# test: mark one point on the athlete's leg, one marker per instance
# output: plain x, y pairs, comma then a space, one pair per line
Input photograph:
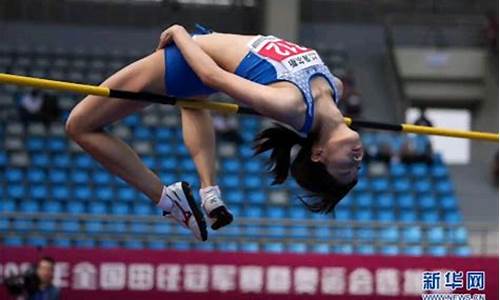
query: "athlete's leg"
199, 138
86, 121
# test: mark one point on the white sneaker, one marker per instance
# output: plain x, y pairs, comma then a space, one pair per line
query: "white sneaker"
185, 211
215, 208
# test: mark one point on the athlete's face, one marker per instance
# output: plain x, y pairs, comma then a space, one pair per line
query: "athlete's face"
341, 154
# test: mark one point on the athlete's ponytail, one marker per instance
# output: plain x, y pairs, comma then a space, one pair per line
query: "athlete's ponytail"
325, 191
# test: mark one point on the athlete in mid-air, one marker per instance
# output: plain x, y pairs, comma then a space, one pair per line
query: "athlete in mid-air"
279, 79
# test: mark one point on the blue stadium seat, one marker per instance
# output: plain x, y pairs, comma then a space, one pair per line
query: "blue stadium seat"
343, 249
321, 248
408, 216
205, 246
55, 144
97, 207
178, 245
80, 176
257, 196
297, 248
250, 247
365, 200
462, 251
116, 226
168, 163
385, 200
413, 251
386, 215
137, 227
85, 243
188, 165
342, 214
406, 200
437, 251
275, 231
143, 133
444, 187
164, 134
3, 159
40, 160
230, 181
231, 165
275, 212
274, 247
101, 177
389, 234
16, 191
453, 217
132, 120
246, 151
367, 234
109, 244
412, 234
163, 149
397, 170
380, 184
127, 194
133, 244
228, 246
423, 186
14, 175
427, 201
253, 212
75, 207
439, 172
142, 209
252, 181
36, 175
366, 249
299, 232
448, 202
104, 194
458, 235
38, 191
4, 224
47, 225
390, 250
343, 233
36, 241
157, 245
62, 243
297, 213
83, 161
436, 235
57, 176
82, 193
35, 144
253, 166
363, 215
22, 225
234, 196
70, 226
13, 241
8, 206
430, 216
51, 207
418, 170
61, 160
94, 226
401, 185
119, 209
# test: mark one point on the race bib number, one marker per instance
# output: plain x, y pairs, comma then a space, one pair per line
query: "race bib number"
292, 56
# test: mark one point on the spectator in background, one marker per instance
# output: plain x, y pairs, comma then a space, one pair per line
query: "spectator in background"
422, 120
491, 32
350, 104
226, 126
37, 107
416, 148
45, 272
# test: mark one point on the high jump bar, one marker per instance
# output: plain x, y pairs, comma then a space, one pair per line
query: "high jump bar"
88, 89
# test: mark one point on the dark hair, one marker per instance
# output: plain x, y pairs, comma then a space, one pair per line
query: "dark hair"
47, 259
324, 190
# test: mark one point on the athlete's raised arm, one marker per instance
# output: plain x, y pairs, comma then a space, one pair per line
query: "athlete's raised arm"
272, 102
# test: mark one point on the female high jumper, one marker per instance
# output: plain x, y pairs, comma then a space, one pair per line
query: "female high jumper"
277, 78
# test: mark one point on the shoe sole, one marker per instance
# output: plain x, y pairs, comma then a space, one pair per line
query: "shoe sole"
198, 216
223, 217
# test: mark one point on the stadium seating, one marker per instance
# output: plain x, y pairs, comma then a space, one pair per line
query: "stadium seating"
62, 179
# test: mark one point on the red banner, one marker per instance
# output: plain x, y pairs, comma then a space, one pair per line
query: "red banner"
149, 274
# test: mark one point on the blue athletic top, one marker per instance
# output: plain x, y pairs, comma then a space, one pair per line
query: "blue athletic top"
270, 59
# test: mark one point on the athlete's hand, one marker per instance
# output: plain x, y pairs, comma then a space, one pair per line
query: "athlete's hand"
167, 36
